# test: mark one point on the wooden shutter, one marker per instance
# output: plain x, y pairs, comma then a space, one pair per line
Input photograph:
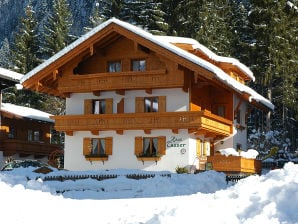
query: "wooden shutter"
205, 149
87, 146
199, 148
109, 145
138, 146
88, 106
139, 107
162, 145
162, 104
120, 106
109, 106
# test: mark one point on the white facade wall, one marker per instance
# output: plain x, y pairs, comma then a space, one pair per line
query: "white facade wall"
180, 150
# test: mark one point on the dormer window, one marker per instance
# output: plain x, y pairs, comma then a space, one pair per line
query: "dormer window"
139, 65
114, 66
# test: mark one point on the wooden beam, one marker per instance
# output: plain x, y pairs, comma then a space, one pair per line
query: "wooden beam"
96, 93
120, 92
148, 91
119, 132
91, 48
175, 131
147, 131
69, 133
95, 132
55, 73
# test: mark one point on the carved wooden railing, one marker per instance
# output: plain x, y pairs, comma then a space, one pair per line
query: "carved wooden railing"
119, 80
235, 164
196, 121
13, 146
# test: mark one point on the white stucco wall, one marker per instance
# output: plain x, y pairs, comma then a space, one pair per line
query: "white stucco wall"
176, 99
180, 151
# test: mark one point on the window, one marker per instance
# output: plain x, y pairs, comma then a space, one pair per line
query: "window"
138, 65
150, 146
33, 136
11, 133
219, 110
203, 148
97, 147
151, 104
98, 106
114, 66
30, 135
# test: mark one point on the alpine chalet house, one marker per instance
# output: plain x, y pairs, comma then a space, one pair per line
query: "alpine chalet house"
139, 101
24, 132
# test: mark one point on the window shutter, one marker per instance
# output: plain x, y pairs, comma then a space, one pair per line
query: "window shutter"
109, 106
88, 106
109, 145
139, 107
120, 106
199, 148
205, 149
138, 145
87, 146
162, 145
162, 104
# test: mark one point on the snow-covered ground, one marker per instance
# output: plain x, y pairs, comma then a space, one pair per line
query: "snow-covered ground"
182, 198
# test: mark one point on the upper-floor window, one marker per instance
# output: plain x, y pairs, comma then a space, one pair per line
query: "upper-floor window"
11, 133
98, 106
33, 136
114, 66
139, 65
151, 104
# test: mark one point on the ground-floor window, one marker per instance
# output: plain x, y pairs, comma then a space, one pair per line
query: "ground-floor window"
150, 146
97, 147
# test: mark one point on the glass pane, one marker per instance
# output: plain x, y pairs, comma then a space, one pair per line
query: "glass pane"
114, 66
102, 146
102, 107
29, 135
147, 105
155, 146
142, 65
155, 104
138, 65
36, 135
146, 145
96, 107
94, 149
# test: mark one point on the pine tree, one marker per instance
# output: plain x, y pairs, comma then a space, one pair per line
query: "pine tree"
5, 57
274, 59
57, 30
26, 43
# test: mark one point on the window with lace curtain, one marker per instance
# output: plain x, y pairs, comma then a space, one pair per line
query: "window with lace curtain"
150, 146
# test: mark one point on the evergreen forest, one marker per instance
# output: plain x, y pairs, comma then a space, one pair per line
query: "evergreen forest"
262, 34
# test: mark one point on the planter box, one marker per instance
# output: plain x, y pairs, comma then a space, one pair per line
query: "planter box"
234, 164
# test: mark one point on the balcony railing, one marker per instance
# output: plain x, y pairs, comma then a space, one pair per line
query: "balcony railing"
234, 164
194, 121
13, 146
120, 80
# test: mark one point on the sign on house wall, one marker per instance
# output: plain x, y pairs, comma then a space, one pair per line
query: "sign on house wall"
177, 143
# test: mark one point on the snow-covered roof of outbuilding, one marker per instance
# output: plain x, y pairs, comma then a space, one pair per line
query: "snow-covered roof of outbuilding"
26, 112
10, 75
219, 74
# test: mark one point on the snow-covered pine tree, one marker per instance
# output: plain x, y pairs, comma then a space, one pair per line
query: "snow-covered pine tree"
57, 29
5, 57
274, 60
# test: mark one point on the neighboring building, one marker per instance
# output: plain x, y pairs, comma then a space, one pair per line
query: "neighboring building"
24, 132
139, 101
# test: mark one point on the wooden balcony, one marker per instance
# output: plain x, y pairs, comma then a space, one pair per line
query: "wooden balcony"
119, 80
203, 122
38, 149
235, 164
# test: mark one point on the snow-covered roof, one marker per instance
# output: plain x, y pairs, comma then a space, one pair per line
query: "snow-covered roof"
219, 73
26, 112
10, 75
211, 55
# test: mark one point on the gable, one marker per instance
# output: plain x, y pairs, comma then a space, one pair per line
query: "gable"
45, 78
